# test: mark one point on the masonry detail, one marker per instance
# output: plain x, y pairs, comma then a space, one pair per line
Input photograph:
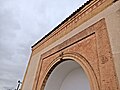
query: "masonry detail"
85, 38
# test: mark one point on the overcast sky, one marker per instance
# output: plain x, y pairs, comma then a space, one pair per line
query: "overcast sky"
22, 23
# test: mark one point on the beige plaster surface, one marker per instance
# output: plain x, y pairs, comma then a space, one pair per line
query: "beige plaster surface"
117, 64
113, 25
31, 72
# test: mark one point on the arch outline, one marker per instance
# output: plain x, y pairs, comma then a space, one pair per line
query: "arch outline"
81, 60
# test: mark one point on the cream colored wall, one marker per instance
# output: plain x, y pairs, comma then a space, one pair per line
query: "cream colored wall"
113, 25
112, 17
30, 75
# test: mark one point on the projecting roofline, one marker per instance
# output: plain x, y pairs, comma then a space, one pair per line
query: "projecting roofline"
80, 8
81, 15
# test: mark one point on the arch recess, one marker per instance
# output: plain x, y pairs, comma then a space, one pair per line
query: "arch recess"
82, 61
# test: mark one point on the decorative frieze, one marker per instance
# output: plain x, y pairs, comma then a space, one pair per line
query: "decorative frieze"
74, 21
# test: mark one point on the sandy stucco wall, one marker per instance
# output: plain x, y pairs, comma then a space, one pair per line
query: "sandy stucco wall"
113, 25
30, 73
112, 18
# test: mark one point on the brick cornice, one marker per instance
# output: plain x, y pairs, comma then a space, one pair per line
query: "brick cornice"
89, 11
